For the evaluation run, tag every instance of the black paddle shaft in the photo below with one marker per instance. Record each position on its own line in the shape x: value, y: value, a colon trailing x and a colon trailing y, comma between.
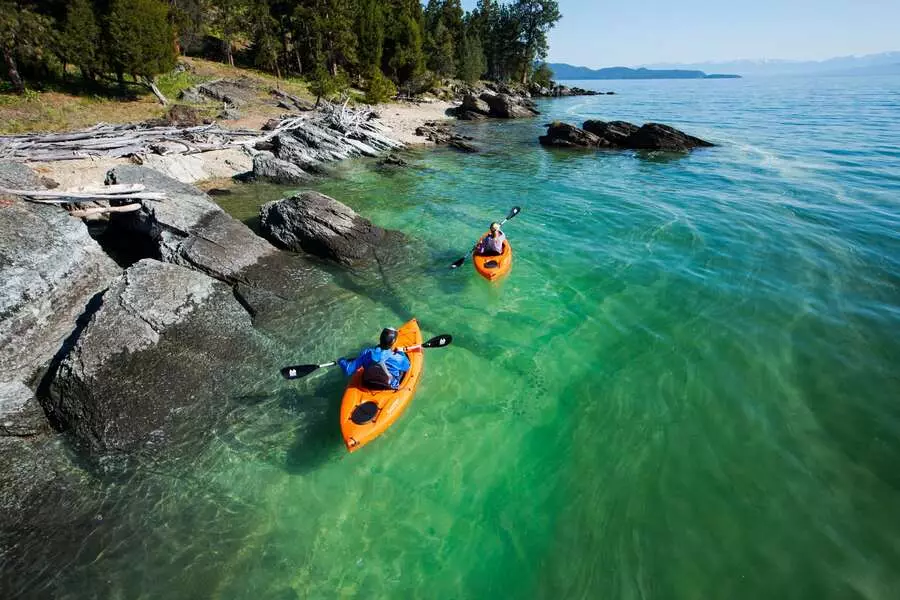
x: 298, y: 371
x: 458, y: 263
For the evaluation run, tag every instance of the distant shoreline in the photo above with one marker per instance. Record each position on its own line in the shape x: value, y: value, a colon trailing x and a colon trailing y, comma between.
x: 563, y: 71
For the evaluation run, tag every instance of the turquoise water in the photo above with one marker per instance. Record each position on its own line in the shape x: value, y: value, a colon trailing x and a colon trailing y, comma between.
x: 687, y: 387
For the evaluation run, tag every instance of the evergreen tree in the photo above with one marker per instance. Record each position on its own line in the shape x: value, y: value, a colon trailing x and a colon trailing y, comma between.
x: 543, y: 75
x: 441, y: 59
x: 403, y: 56
x: 370, y: 32
x: 472, y: 64
x: 23, y: 35
x: 78, y: 39
x: 266, y: 45
x: 228, y: 20
x: 139, y: 41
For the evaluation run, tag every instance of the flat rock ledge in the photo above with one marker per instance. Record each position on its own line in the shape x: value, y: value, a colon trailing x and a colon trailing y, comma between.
x: 50, y: 269
x: 621, y: 135
x: 320, y: 225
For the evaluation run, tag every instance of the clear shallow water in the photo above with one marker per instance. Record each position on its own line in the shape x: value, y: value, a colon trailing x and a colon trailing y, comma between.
x: 688, y: 386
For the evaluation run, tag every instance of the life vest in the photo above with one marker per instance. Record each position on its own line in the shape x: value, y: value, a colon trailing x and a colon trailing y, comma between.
x: 377, y: 376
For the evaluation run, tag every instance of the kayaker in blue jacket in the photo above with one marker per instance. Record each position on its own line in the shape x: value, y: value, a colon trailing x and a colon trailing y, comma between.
x: 492, y: 243
x: 383, y: 368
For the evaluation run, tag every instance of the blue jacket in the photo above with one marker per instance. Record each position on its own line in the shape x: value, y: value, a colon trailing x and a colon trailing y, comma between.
x: 397, y: 363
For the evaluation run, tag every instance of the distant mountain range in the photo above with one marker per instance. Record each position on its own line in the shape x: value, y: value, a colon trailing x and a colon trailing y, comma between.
x: 562, y: 71
x: 884, y: 63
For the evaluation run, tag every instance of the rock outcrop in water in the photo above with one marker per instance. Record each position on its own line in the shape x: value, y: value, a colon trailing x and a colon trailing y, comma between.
x: 266, y: 167
x: 50, y: 270
x: 621, y: 135
x: 165, y: 339
x: 187, y: 228
x: 320, y: 225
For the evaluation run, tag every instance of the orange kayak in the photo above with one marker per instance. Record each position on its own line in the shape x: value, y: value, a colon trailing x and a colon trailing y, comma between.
x: 366, y: 414
x: 494, y: 267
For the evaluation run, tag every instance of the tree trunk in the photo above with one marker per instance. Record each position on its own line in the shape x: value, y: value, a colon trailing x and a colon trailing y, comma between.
x: 152, y: 85
x: 13, y: 71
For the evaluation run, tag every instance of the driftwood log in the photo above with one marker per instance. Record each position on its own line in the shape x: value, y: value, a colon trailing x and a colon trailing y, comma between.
x: 353, y: 131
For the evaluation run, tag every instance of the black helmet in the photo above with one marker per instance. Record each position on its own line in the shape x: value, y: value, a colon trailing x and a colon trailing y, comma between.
x: 388, y: 337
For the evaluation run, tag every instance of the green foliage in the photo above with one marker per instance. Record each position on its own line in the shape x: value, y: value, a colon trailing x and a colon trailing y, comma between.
x: 24, y: 35
x: 543, y: 75
x: 404, y: 55
x: 472, y: 64
x: 379, y: 88
x: 78, y: 39
x: 499, y: 39
x: 370, y: 32
x: 139, y: 40
x: 325, y: 85
x: 266, y: 47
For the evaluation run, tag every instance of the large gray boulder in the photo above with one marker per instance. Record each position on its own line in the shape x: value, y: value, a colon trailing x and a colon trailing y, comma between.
x: 320, y: 225
x: 266, y: 167
x: 50, y: 270
x: 187, y: 228
x: 505, y: 106
x: 472, y: 103
x: 167, y: 341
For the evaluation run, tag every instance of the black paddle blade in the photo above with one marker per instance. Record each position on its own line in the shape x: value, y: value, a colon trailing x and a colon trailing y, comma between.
x: 298, y: 371
x: 515, y: 210
x: 458, y: 263
x: 439, y: 341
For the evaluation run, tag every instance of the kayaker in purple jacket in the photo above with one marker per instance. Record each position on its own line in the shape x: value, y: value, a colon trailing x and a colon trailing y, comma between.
x: 492, y: 243
x: 383, y: 368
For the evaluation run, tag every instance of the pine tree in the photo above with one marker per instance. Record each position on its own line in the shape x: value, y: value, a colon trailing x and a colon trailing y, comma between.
x: 370, y: 32
x: 403, y: 56
x: 78, y: 39
x: 266, y: 43
x: 139, y: 41
x: 472, y: 64
x: 23, y: 34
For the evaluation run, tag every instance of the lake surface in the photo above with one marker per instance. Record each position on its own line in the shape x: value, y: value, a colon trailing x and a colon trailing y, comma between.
x: 688, y: 386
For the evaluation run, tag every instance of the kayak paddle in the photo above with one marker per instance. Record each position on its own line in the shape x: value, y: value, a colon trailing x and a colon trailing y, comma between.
x: 298, y: 371
x: 515, y: 210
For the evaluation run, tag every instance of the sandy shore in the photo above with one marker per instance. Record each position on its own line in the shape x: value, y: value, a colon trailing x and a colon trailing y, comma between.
x: 401, y: 118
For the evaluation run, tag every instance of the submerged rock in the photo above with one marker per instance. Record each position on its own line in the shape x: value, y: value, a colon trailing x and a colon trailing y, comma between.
x: 50, y: 270
x: 165, y: 339
x: 320, y: 225
x: 442, y: 133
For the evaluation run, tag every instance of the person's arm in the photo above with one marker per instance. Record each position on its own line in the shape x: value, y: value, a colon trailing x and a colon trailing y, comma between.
x: 403, y: 362
x: 350, y: 366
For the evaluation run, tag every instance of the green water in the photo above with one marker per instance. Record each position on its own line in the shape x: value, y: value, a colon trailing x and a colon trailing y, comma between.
x: 687, y: 387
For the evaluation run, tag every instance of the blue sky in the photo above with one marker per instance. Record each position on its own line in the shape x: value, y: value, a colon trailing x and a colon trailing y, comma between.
x: 595, y: 33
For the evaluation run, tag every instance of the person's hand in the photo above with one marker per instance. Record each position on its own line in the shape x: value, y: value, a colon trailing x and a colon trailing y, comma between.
x: 343, y: 362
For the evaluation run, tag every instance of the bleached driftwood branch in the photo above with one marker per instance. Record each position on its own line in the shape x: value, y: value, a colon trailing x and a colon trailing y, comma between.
x: 350, y: 131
